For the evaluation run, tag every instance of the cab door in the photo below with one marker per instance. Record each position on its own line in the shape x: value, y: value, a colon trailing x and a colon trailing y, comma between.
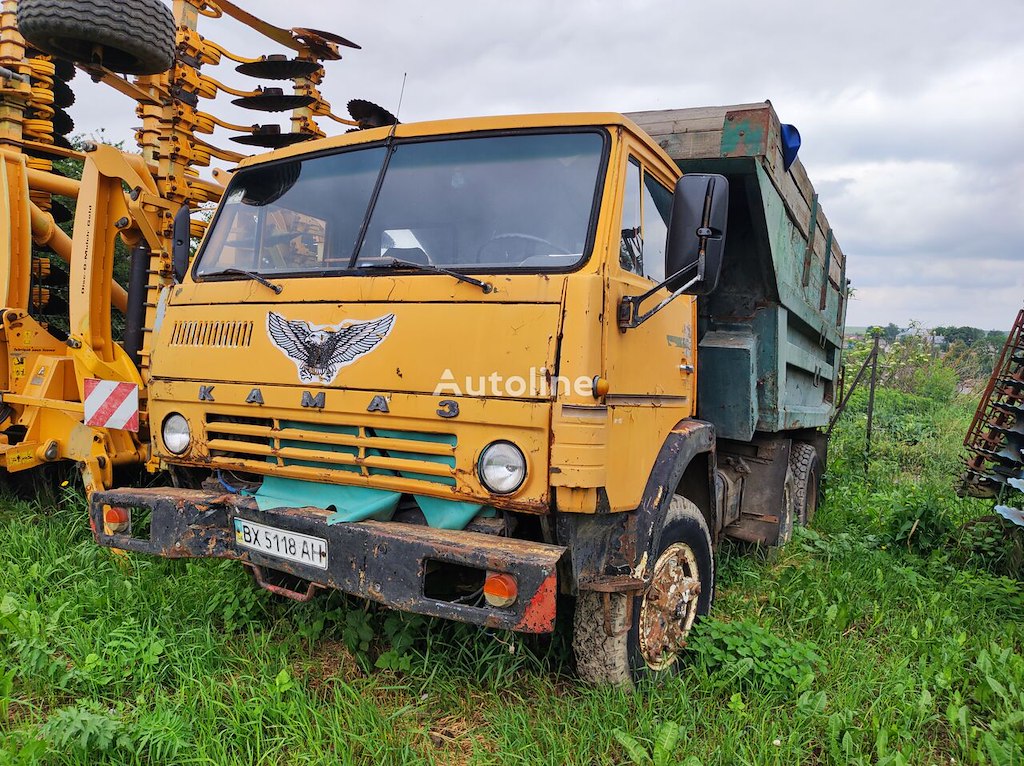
x: 651, y: 364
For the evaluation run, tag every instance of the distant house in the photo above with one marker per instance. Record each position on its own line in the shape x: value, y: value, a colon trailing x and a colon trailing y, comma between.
x: 924, y: 334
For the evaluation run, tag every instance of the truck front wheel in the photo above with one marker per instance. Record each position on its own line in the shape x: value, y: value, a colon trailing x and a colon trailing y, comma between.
x: 648, y: 631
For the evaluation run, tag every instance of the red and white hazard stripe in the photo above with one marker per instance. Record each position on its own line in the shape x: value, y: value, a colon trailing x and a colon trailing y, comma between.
x: 111, y: 404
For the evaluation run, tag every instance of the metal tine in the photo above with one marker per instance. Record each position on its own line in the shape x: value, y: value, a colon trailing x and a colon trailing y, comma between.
x: 1006, y: 456
x: 1011, y: 408
x: 1011, y: 431
x: 1015, y: 515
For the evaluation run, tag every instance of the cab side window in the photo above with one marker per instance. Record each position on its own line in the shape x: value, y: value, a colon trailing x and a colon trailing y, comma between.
x: 631, y: 244
x: 657, y: 207
x: 646, y: 207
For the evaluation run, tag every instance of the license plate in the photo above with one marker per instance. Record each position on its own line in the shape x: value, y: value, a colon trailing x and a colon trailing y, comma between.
x: 281, y: 543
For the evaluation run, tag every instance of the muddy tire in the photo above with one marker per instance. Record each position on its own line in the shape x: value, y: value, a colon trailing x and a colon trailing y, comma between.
x: 806, y: 469
x: 130, y: 38
x: 651, y: 646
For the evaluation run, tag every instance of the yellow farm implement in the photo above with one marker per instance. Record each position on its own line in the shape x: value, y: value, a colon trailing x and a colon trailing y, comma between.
x: 49, y: 371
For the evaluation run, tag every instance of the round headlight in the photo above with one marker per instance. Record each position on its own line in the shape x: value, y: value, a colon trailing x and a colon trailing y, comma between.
x: 502, y: 468
x: 175, y: 433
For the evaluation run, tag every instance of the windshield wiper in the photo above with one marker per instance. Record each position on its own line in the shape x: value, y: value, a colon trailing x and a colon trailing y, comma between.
x: 398, y: 263
x: 254, y: 276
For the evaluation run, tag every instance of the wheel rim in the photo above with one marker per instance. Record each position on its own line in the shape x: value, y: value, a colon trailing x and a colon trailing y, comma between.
x: 669, y: 606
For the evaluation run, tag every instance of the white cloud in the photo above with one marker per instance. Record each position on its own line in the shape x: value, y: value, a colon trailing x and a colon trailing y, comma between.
x: 911, y: 111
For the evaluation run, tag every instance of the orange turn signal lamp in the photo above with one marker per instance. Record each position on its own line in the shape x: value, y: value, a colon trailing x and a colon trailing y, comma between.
x: 500, y: 589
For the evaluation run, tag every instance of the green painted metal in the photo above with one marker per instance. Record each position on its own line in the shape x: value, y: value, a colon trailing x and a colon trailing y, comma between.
x: 727, y: 393
x: 348, y: 503
x: 361, y: 503
x: 774, y: 293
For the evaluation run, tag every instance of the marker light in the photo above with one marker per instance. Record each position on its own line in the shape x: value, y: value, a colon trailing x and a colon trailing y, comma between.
x: 175, y: 433
x: 500, y: 589
x: 502, y: 467
x: 116, y: 519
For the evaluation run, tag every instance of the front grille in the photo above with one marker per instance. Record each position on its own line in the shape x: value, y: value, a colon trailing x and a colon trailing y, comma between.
x: 212, y: 333
x: 294, y: 446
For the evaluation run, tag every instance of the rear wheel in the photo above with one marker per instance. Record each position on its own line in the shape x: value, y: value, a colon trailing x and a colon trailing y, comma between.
x: 649, y: 630
x: 130, y: 38
x: 806, y: 469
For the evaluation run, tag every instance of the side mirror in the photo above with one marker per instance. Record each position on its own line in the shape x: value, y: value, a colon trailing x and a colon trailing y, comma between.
x: 696, y: 232
x: 181, y: 244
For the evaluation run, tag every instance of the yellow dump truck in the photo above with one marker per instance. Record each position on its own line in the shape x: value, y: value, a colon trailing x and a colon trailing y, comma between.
x: 483, y: 369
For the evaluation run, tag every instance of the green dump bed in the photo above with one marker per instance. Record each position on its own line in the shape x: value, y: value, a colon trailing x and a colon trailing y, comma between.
x: 771, y: 334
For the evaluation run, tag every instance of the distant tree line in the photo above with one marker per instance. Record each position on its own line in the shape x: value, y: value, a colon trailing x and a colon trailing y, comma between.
x: 971, y: 336
x: 936, y: 362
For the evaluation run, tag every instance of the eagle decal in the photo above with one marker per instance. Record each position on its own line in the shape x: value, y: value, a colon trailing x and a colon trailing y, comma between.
x: 319, y: 351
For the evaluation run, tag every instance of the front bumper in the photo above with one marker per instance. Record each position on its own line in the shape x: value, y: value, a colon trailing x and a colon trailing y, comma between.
x: 380, y: 561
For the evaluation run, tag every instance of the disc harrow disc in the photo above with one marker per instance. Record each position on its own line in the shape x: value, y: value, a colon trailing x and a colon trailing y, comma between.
x: 369, y: 114
x: 62, y: 122
x: 63, y: 96
x: 278, y: 67
x: 273, y: 100
x: 271, y: 137
x: 64, y: 69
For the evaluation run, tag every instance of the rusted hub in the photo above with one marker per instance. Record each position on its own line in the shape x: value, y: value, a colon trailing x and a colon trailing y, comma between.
x: 669, y: 607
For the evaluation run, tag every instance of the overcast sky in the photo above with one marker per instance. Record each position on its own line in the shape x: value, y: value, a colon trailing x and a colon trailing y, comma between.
x: 911, y: 112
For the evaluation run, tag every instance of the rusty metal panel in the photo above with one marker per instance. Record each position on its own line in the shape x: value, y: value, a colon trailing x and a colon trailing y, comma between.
x: 381, y: 561
x: 728, y: 386
x: 746, y: 133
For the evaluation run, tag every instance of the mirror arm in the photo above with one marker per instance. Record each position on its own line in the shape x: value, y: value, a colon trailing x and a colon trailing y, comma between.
x: 704, y: 232
x: 629, y: 306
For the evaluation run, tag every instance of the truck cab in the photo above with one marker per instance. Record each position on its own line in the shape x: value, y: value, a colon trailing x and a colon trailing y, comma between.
x: 452, y: 367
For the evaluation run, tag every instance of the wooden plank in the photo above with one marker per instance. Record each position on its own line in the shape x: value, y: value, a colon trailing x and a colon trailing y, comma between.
x: 800, y: 210
x: 697, y: 112
x: 680, y: 146
x: 806, y: 190
x: 667, y: 121
x: 667, y: 127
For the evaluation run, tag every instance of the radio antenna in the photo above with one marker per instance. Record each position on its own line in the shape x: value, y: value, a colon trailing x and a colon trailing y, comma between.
x: 398, y: 109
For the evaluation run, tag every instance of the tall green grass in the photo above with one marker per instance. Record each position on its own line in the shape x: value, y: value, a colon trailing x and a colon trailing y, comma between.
x: 889, y: 633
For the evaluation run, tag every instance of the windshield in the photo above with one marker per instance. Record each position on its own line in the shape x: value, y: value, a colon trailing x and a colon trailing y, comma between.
x: 490, y: 203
